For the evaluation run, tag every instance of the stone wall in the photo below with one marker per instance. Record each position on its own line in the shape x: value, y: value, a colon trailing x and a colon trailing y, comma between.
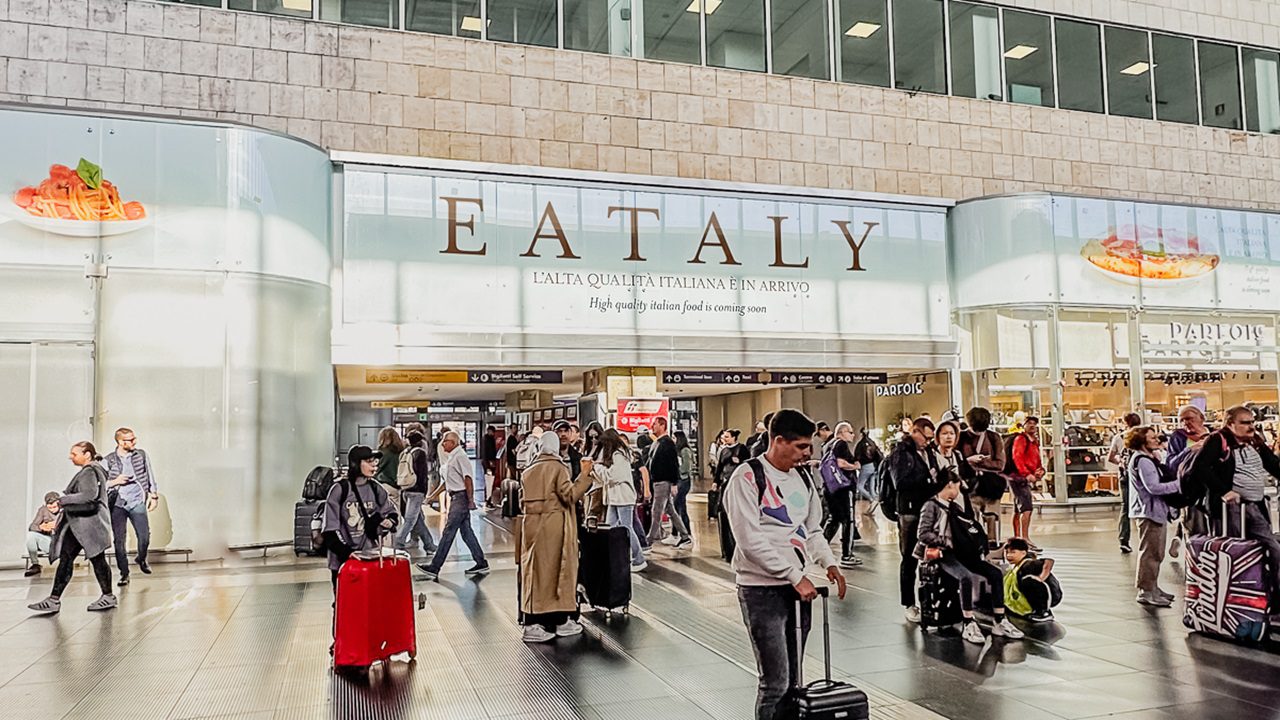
x: 352, y: 88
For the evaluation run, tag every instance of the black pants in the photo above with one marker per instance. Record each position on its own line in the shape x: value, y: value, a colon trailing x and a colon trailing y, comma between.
x: 1041, y: 594
x: 1125, y: 525
x: 970, y: 576
x: 908, y: 529
x: 67, y: 554
x: 682, y: 502
x: 840, y: 504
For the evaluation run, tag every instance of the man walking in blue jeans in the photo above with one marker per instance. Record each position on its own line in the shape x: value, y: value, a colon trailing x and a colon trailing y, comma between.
x: 456, y: 473
x: 130, y: 476
x: 413, y: 496
x: 776, y: 516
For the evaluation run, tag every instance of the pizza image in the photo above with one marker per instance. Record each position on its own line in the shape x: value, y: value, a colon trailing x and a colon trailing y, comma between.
x: 1149, y: 254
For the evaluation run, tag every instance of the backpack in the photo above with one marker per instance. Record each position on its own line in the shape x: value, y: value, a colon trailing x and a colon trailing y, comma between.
x: 1010, y: 467
x: 405, y: 476
x: 1192, y: 490
x: 1173, y: 500
x: 317, y: 484
x: 525, y: 453
x: 833, y: 477
x: 757, y: 471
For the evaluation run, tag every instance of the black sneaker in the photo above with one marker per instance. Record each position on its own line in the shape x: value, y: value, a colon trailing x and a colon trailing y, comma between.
x: 32, y: 571
x: 1125, y: 548
x: 479, y: 569
x: 144, y: 567
x: 1041, y: 617
x: 124, y: 580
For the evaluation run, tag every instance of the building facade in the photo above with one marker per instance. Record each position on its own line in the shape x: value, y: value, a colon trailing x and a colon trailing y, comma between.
x: 933, y: 191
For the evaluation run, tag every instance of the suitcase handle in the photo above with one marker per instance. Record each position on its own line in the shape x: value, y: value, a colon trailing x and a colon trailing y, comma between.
x: 1226, y: 528
x: 824, y: 592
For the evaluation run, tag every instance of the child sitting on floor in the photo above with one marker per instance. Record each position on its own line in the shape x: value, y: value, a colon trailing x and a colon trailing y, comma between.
x: 1030, y: 589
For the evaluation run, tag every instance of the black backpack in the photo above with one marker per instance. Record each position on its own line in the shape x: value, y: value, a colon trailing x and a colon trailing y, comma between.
x: 317, y: 484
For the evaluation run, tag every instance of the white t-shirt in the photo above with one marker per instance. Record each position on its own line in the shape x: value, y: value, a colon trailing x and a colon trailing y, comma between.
x: 457, y: 469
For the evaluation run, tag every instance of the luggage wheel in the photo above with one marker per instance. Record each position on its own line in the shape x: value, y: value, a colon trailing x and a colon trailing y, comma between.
x: 422, y: 601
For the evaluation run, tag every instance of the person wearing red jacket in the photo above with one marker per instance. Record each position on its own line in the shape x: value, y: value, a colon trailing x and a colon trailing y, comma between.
x: 1026, y: 459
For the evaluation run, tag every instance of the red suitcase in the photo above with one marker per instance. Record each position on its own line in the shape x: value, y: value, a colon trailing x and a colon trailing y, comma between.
x: 373, y: 617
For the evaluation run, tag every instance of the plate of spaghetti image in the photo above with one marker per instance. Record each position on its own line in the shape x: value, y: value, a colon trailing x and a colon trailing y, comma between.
x: 1167, y: 257
x: 77, y: 202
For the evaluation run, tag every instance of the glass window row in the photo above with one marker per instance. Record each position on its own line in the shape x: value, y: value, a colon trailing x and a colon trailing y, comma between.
x: 934, y: 46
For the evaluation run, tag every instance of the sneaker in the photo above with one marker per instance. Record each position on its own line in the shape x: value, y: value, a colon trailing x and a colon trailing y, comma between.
x: 1125, y: 548
x: 144, y: 567
x: 670, y: 540
x: 647, y: 549
x: 48, y: 606
x: 428, y: 573
x: 1004, y: 628
x: 537, y: 634
x: 478, y: 569
x: 32, y: 571
x: 638, y: 568
x: 912, y: 614
x: 124, y: 580
x: 1161, y: 592
x: 850, y: 561
x: 972, y: 633
x: 685, y: 543
x: 1174, y: 546
x: 569, y: 628
x: 1034, y: 548
x: 1145, y: 598
x: 1041, y: 617
x: 106, y: 602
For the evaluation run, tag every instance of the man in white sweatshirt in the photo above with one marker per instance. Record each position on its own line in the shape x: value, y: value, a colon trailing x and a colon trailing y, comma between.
x: 777, y: 523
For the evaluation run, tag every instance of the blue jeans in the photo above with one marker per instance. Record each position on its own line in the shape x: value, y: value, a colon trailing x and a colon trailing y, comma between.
x: 415, y: 523
x: 458, y: 521
x: 38, y: 543
x: 121, y: 518
x: 770, y: 614
x: 868, y: 482
x: 621, y: 516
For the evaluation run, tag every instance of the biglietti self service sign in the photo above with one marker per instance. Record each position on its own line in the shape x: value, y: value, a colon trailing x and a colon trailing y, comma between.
x: 467, y: 254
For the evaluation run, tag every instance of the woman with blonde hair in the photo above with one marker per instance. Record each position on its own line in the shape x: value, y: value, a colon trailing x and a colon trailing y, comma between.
x: 390, y: 444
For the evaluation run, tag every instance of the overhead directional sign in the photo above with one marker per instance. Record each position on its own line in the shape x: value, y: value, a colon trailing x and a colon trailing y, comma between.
x: 828, y: 378
x: 515, y: 376
x: 713, y: 377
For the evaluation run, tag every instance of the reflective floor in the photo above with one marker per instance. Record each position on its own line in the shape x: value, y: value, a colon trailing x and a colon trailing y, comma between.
x: 248, y: 639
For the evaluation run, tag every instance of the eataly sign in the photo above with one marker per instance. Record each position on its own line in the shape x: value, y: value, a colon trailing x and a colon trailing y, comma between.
x: 713, y: 237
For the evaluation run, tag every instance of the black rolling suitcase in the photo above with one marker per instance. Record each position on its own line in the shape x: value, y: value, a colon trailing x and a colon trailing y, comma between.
x: 824, y: 699
x: 939, y: 597
x: 604, y: 567
x: 303, y: 513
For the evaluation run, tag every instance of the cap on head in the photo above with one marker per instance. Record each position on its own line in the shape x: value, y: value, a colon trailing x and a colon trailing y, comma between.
x: 360, y: 453
x: 562, y: 425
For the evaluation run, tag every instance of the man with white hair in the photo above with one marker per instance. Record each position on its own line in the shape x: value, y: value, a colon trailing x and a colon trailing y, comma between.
x: 456, y: 472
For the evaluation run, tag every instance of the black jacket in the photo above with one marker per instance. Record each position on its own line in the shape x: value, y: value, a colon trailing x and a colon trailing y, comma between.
x: 421, y: 468
x: 730, y: 458
x: 1214, y: 468
x: 664, y: 461
x: 910, y: 473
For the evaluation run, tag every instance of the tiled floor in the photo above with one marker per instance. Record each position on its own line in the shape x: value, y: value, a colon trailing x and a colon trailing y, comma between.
x: 248, y: 639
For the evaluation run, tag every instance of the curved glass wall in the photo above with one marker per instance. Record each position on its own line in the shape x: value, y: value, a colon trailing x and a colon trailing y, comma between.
x: 194, y: 310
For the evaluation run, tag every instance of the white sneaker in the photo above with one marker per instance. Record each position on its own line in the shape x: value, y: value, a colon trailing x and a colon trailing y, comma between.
x: 647, y: 549
x: 637, y: 568
x: 912, y: 614
x: 537, y: 634
x: 1004, y: 628
x: 670, y: 540
x: 569, y: 628
x: 972, y: 633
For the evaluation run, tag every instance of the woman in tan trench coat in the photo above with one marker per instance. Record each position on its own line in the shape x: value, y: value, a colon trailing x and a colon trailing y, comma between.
x: 548, y: 548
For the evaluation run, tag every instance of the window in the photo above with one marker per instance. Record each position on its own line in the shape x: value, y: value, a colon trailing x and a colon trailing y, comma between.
x: 1028, y: 59
x: 1175, y: 69
x: 601, y: 26
x: 528, y: 22
x: 975, y: 51
x: 735, y: 33
x: 862, y: 42
x: 671, y: 31
x: 1219, y: 86
x: 1128, y: 73
x: 800, y: 38
x: 444, y: 17
x: 375, y: 13
x: 1080, y: 49
x: 919, y: 54
x: 1262, y: 90
x: 292, y: 8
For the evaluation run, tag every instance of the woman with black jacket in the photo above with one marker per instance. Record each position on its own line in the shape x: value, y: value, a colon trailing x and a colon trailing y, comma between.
x: 84, y: 524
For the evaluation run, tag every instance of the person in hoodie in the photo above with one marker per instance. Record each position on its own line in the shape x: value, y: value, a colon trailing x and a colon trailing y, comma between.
x: 357, y: 512
x: 909, y: 484
x: 775, y: 511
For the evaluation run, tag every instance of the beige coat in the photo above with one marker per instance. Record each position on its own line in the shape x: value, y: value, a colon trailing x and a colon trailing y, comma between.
x: 548, y: 549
